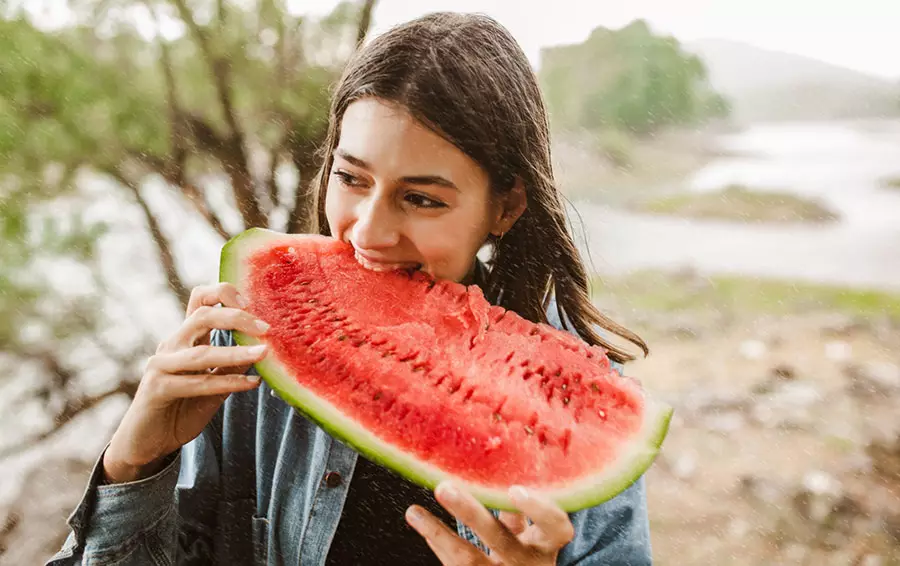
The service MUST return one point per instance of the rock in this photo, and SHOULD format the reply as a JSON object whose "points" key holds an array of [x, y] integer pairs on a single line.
{"points": [[784, 372], [684, 466], [873, 379], [760, 489], [753, 349], [821, 483], [725, 422], [838, 351]]}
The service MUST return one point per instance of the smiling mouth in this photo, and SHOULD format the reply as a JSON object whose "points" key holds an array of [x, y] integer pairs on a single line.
{"points": [[385, 266]]}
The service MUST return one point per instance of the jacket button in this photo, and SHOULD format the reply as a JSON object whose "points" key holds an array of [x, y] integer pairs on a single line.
{"points": [[333, 479]]}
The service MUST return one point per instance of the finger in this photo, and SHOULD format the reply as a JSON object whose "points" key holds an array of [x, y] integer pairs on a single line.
{"points": [[206, 318], [554, 529], [473, 514], [514, 522], [446, 545], [204, 358], [211, 295], [187, 386]]}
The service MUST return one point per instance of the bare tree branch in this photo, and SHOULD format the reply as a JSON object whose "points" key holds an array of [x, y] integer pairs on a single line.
{"points": [[217, 68], [234, 154], [365, 22], [163, 247], [72, 408], [271, 183]]}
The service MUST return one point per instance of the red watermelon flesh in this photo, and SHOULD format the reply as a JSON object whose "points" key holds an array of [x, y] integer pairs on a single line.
{"points": [[432, 381]]}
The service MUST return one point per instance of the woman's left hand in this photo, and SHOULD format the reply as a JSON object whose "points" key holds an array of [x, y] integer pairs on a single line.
{"points": [[511, 540]]}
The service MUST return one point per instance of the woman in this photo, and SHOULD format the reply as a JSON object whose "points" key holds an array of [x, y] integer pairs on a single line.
{"points": [[438, 144]]}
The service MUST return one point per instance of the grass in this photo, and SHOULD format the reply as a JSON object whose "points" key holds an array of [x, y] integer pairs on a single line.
{"points": [[666, 292], [742, 204]]}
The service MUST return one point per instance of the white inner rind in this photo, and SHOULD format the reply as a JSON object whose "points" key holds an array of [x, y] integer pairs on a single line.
{"points": [[638, 453]]}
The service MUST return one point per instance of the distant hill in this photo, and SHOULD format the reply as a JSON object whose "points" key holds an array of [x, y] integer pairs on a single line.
{"points": [[770, 85]]}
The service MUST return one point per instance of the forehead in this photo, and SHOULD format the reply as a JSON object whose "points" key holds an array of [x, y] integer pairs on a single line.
{"points": [[393, 142]]}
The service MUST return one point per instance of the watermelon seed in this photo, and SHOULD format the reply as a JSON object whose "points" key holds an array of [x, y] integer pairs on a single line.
{"points": [[528, 430], [431, 285], [304, 283], [602, 413], [534, 332], [359, 342], [595, 388], [386, 355], [558, 373], [377, 396], [566, 400], [497, 417], [455, 387], [342, 337], [564, 386], [313, 301]]}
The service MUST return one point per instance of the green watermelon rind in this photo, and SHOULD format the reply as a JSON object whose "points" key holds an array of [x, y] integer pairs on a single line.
{"points": [[642, 448]]}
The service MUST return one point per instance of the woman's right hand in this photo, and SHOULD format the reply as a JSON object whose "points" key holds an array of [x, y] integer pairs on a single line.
{"points": [[184, 384]]}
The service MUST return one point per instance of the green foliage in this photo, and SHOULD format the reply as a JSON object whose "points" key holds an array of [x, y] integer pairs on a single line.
{"points": [[628, 79], [742, 204], [659, 291], [226, 88]]}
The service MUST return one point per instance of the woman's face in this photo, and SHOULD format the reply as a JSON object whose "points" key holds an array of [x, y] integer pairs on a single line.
{"points": [[406, 198]]}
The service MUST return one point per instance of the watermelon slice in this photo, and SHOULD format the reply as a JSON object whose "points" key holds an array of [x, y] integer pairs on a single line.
{"points": [[430, 380]]}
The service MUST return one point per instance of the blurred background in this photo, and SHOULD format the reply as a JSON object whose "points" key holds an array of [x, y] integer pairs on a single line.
{"points": [[733, 172]]}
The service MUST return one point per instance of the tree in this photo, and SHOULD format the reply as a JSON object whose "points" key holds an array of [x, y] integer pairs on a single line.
{"points": [[628, 79], [185, 92]]}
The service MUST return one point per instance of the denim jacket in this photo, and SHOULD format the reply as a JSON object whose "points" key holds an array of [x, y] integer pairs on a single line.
{"points": [[254, 483]]}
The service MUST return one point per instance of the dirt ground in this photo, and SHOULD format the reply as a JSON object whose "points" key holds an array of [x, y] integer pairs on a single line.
{"points": [[766, 461]]}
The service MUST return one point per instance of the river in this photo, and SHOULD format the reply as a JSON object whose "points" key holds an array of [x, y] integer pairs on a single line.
{"points": [[840, 163]]}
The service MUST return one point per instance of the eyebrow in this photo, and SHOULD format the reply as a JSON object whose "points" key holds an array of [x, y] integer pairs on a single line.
{"points": [[411, 180]]}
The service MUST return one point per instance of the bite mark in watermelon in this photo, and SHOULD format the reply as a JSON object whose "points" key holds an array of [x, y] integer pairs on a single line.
{"points": [[430, 380]]}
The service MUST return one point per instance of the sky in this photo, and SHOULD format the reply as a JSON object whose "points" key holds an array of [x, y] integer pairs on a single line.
{"points": [[859, 34]]}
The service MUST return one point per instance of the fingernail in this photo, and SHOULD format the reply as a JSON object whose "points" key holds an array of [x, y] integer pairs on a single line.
{"points": [[414, 515], [449, 493], [257, 350], [518, 492], [242, 302], [263, 325], [252, 378]]}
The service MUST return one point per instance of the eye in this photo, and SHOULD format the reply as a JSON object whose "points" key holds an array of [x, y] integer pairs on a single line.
{"points": [[346, 178], [422, 201]]}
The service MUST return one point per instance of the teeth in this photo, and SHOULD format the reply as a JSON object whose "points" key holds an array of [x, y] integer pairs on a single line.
{"points": [[382, 266]]}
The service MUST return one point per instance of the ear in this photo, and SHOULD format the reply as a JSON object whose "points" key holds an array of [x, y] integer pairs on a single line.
{"points": [[512, 205]]}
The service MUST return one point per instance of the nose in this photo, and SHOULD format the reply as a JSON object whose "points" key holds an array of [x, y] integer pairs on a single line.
{"points": [[376, 226]]}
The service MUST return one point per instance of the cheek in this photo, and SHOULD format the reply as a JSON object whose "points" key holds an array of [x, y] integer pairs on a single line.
{"points": [[446, 249], [336, 212]]}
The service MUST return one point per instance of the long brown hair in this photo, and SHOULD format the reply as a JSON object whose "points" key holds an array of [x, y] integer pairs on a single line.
{"points": [[465, 77]]}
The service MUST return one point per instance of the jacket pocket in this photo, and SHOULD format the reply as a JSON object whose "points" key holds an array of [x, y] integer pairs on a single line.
{"points": [[260, 541]]}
